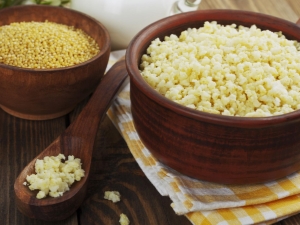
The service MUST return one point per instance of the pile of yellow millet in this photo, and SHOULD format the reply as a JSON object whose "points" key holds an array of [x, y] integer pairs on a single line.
{"points": [[44, 45]]}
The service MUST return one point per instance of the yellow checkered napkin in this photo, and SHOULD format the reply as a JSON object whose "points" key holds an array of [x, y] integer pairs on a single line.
{"points": [[204, 202]]}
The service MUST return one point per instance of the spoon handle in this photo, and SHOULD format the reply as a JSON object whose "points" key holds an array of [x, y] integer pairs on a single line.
{"points": [[95, 110], [78, 140]]}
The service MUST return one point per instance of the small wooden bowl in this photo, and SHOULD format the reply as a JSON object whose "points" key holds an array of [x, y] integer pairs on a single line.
{"points": [[216, 148], [40, 94]]}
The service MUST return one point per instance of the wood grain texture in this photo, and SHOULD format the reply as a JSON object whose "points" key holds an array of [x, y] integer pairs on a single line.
{"points": [[77, 140], [211, 147], [112, 165], [115, 169], [294, 6], [287, 9], [20, 142], [50, 93]]}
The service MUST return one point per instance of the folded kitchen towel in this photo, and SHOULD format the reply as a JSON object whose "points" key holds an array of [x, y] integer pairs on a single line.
{"points": [[200, 201]]}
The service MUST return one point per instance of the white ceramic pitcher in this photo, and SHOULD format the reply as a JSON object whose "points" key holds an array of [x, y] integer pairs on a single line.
{"points": [[125, 18]]}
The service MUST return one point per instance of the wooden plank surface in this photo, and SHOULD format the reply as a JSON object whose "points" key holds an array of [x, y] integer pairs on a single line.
{"points": [[285, 9], [113, 167], [20, 142]]}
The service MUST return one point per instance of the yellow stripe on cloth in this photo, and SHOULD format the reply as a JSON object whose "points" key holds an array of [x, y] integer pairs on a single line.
{"points": [[204, 202], [264, 213]]}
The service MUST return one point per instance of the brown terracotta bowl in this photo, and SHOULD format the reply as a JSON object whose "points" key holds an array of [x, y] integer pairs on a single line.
{"points": [[216, 148], [40, 94]]}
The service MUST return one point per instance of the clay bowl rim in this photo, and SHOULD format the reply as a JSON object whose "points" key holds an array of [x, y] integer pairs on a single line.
{"points": [[103, 50], [133, 60]]}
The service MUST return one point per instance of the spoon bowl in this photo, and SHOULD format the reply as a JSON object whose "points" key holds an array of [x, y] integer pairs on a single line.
{"points": [[78, 140]]}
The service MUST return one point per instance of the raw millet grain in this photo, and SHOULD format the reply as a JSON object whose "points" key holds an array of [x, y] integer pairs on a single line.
{"points": [[44, 45]]}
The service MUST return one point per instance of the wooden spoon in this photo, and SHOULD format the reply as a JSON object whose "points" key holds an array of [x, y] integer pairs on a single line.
{"points": [[78, 140]]}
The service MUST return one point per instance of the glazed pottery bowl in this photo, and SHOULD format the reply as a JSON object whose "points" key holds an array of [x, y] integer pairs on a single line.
{"points": [[40, 94], [211, 147]]}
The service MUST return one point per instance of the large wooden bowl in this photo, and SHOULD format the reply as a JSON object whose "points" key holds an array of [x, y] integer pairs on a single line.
{"points": [[216, 148], [49, 93]]}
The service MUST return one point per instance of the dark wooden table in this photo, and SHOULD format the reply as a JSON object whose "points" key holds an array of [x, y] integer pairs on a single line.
{"points": [[113, 167]]}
